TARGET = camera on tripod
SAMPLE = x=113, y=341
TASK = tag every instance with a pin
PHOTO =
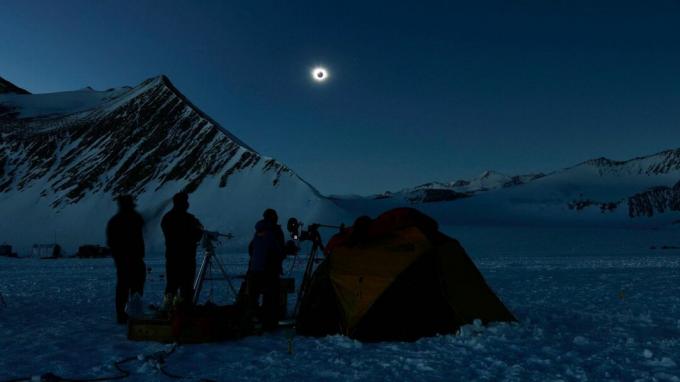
x=311, y=234
x=297, y=233
x=210, y=239
x=214, y=235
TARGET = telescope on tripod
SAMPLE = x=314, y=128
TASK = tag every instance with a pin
x=210, y=262
x=311, y=234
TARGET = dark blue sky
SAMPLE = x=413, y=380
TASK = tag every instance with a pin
x=418, y=92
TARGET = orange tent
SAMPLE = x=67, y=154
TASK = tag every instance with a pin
x=396, y=278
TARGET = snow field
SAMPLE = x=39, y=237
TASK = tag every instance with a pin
x=588, y=316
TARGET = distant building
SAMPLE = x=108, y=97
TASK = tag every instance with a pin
x=46, y=251
x=6, y=251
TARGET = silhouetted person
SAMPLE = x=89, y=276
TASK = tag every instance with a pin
x=182, y=233
x=56, y=251
x=266, y=256
x=125, y=238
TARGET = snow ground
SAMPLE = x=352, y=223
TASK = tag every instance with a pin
x=592, y=305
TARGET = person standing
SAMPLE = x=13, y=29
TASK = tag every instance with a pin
x=266, y=257
x=182, y=233
x=125, y=238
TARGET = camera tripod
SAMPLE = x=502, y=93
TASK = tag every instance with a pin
x=211, y=261
x=307, y=276
x=312, y=234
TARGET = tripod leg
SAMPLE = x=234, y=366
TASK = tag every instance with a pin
x=198, y=284
x=226, y=276
x=305, y=279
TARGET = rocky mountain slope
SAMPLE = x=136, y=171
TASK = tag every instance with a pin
x=65, y=156
x=657, y=200
x=8, y=87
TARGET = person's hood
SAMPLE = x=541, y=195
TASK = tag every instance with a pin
x=265, y=225
x=262, y=225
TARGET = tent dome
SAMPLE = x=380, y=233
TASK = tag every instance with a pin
x=396, y=278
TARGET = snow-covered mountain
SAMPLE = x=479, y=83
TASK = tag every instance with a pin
x=65, y=156
x=657, y=200
x=642, y=190
x=439, y=191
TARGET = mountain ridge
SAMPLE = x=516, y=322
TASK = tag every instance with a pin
x=111, y=107
x=667, y=160
x=61, y=152
x=642, y=191
x=8, y=87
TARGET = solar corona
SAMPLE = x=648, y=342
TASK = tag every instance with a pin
x=319, y=74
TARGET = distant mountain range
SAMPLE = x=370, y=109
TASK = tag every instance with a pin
x=596, y=191
x=438, y=191
x=65, y=156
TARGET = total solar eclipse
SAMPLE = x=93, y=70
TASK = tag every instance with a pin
x=319, y=74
